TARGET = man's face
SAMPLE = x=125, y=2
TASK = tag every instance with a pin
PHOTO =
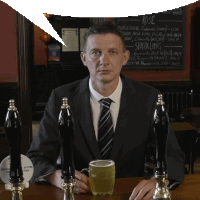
x=104, y=57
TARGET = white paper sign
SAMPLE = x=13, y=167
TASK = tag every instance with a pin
x=70, y=38
x=27, y=168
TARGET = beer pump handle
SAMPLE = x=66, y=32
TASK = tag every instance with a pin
x=161, y=129
x=11, y=168
x=66, y=131
x=14, y=135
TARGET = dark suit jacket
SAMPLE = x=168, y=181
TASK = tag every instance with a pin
x=132, y=134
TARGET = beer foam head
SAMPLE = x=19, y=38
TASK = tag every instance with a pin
x=102, y=163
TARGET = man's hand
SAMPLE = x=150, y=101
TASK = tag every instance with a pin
x=82, y=181
x=144, y=190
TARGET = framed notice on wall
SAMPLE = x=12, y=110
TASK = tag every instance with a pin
x=70, y=37
x=155, y=41
x=71, y=30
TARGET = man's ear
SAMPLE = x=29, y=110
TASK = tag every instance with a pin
x=83, y=58
x=126, y=57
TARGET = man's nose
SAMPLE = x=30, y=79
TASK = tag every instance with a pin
x=104, y=58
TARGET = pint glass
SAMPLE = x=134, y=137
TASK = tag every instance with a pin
x=102, y=177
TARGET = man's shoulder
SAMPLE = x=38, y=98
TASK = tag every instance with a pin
x=141, y=86
x=70, y=90
x=72, y=87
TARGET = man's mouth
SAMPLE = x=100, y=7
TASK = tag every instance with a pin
x=105, y=71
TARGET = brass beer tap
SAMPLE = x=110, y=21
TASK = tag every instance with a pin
x=161, y=191
x=17, y=191
x=68, y=189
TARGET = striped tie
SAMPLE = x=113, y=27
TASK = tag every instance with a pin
x=106, y=131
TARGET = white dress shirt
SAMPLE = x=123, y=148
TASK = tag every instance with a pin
x=96, y=107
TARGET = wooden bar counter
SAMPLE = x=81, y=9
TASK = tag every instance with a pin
x=189, y=189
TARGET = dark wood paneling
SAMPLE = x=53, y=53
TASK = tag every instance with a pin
x=24, y=62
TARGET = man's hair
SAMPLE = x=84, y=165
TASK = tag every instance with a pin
x=104, y=28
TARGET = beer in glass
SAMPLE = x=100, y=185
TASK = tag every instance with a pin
x=102, y=177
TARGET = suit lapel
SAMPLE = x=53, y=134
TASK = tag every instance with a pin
x=83, y=108
x=123, y=128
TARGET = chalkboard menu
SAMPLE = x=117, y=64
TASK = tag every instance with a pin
x=155, y=41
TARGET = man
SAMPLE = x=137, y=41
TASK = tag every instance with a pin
x=130, y=109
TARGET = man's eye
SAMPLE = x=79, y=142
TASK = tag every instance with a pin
x=95, y=52
x=113, y=52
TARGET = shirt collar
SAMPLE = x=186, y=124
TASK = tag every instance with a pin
x=115, y=96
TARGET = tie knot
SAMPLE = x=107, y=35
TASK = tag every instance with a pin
x=106, y=102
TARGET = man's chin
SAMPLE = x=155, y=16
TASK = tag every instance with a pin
x=106, y=78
